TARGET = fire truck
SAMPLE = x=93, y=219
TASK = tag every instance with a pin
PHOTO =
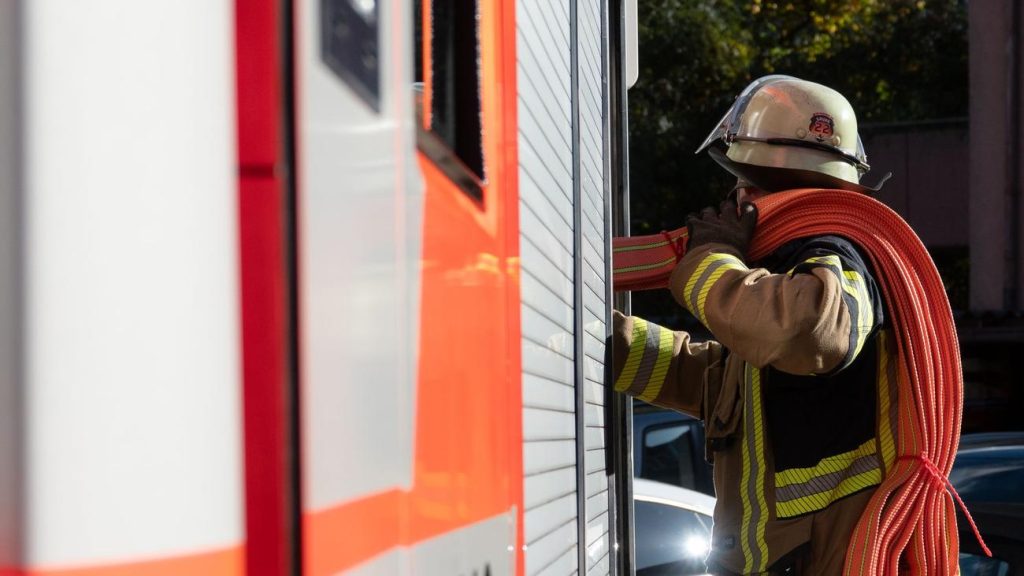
x=311, y=287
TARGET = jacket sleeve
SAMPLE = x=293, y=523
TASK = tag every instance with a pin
x=661, y=366
x=812, y=319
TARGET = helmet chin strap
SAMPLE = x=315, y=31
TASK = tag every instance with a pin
x=741, y=183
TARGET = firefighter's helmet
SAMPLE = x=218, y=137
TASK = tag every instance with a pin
x=783, y=133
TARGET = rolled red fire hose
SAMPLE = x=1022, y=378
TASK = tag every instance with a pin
x=911, y=515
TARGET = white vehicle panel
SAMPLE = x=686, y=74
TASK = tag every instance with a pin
x=132, y=378
x=541, y=456
x=555, y=553
x=358, y=187
x=548, y=486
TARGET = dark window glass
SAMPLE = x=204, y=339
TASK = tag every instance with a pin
x=668, y=455
x=417, y=40
x=455, y=55
x=349, y=45
x=670, y=540
x=453, y=141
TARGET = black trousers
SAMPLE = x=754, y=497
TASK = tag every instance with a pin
x=789, y=565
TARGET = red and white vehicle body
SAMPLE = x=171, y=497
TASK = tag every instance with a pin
x=269, y=308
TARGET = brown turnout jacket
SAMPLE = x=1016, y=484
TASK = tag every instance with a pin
x=797, y=393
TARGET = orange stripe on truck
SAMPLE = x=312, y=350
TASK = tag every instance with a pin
x=226, y=562
x=332, y=542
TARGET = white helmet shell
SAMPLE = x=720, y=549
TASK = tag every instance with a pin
x=783, y=123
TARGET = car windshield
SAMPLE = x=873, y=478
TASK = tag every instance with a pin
x=670, y=539
x=991, y=474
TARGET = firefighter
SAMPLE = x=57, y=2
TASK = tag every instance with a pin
x=797, y=389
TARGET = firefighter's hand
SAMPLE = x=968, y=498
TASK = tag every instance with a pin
x=723, y=226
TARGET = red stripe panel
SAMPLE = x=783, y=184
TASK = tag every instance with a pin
x=264, y=288
x=258, y=58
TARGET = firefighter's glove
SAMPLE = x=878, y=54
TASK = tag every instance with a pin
x=723, y=226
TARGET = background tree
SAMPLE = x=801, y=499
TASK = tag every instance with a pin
x=895, y=60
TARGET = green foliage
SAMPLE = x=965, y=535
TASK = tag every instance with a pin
x=895, y=60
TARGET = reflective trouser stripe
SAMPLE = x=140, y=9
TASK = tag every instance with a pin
x=752, y=485
x=887, y=398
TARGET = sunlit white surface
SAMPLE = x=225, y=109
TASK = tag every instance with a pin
x=697, y=546
x=652, y=491
x=132, y=378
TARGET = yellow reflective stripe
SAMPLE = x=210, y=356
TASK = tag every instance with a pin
x=697, y=288
x=830, y=260
x=752, y=484
x=886, y=439
x=825, y=466
x=658, y=244
x=639, y=267
x=951, y=535
x=748, y=511
x=703, y=296
x=802, y=490
x=908, y=427
x=657, y=379
x=819, y=501
x=696, y=276
x=762, y=522
x=635, y=355
x=854, y=284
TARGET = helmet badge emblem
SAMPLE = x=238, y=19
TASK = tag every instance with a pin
x=822, y=126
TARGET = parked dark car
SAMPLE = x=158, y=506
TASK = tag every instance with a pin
x=668, y=446
x=988, y=473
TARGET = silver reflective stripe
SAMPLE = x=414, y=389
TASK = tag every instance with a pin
x=826, y=483
x=650, y=358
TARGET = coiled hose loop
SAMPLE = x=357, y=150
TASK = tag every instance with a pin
x=910, y=522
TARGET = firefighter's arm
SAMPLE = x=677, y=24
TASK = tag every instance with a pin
x=662, y=366
x=812, y=320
